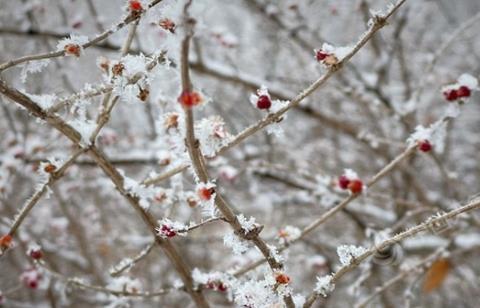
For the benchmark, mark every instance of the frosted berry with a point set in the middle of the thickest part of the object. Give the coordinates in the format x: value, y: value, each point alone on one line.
x: 36, y: 254
x: 31, y: 278
x: 343, y: 182
x: 167, y: 231
x: 135, y: 6
x: 450, y: 95
x: 189, y: 99
x: 425, y: 146
x: 355, y: 186
x: 463, y: 91
x: 264, y: 102
x: 72, y: 50
x: 321, y: 55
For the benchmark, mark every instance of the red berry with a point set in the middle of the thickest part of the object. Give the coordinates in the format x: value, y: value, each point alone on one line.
x: 32, y: 284
x: 36, y: 254
x: 424, y: 146
x: 450, y: 95
x: 189, y: 99
x: 264, y: 102
x: 222, y: 287
x: 343, y: 182
x: 6, y: 241
x: 355, y: 186
x: 321, y: 55
x: 282, y: 278
x: 135, y: 6
x: 463, y: 91
x: 205, y: 194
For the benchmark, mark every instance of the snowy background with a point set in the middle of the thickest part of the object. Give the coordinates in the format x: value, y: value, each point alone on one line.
x: 402, y: 98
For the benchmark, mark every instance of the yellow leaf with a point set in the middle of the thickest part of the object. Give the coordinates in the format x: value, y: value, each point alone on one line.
x: 436, y: 275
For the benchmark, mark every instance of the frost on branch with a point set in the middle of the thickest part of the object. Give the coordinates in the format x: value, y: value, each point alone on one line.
x: 125, y: 284
x: 324, y: 285
x: 45, y: 101
x: 238, y: 245
x: 260, y: 293
x: 347, y: 253
x: 33, y: 67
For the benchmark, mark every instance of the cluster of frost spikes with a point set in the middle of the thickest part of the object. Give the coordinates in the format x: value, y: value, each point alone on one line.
x: 324, y: 285
x: 212, y: 134
x: 258, y: 293
x: 237, y: 245
x: 247, y: 224
x: 347, y: 253
x: 131, y: 78
x: 144, y: 193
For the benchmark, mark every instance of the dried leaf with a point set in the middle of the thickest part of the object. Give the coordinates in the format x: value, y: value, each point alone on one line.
x: 436, y: 275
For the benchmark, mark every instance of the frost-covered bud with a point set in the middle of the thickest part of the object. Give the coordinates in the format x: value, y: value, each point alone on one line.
x: 72, y: 46
x: 188, y: 99
x: 168, y: 25
x: 169, y: 229
x: 143, y: 94
x: 72, y: 50
x: 171, y: 121
x: 117, y: 69
x: 166, y: 231
x: 31, y: 278
x: 49, y: 168
x: 424, y: 146
x: 103, y: 63
x: 6, y: 241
